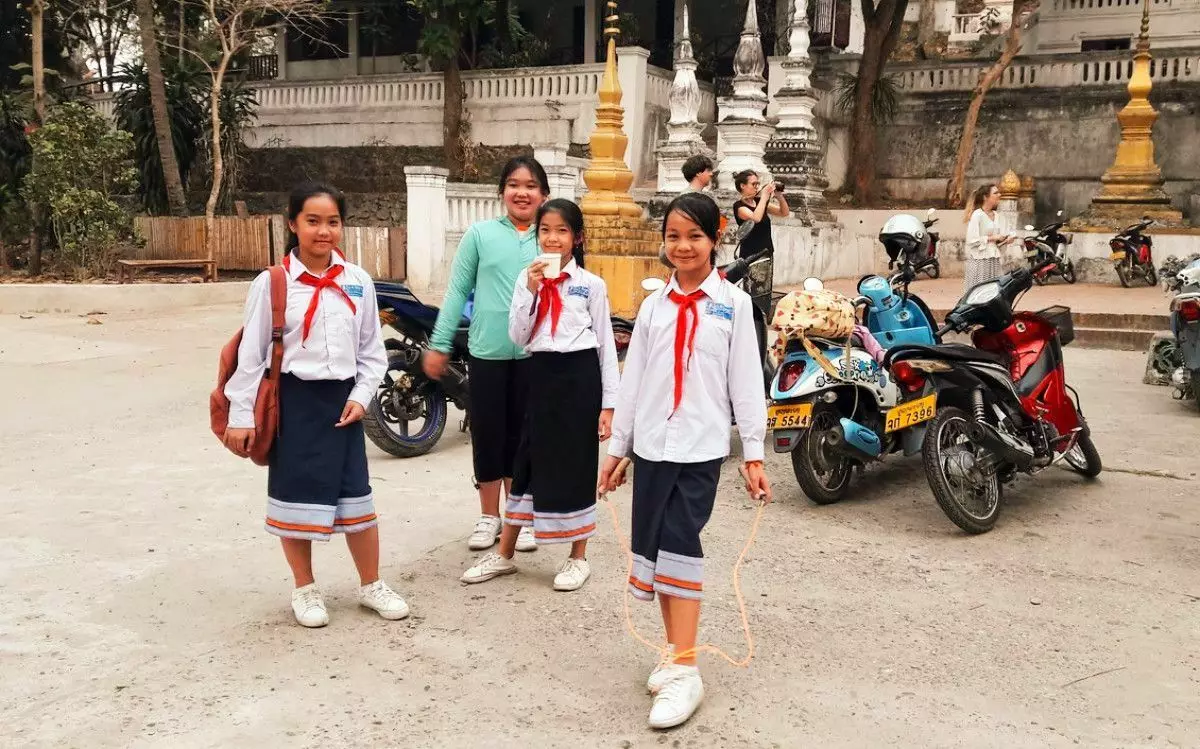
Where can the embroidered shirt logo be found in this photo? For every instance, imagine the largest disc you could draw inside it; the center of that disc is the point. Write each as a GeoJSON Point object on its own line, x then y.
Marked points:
{"type": "Point", "coordinates": [354, 290]}
{"type": "Point", "coordinates": [716, 309]}
{"type": "Point", "coordinates": [579, 291]}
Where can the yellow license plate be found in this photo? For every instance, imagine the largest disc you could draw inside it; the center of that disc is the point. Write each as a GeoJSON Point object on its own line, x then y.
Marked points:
{"type": "Point", "coordinates": [1118, 255]}
{"type": "Point", "coordinates": [792, 416]}
{"type": "Point", "coordinates": [902, 417]}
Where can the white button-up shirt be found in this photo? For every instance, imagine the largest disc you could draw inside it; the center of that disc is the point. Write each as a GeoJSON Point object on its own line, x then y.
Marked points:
{"type": "Point", "coordinates": [585, 323]}
{"type": "Point", "coordinates": [723, 380]}
{"type": "Point", "coordinates": [342, 343]}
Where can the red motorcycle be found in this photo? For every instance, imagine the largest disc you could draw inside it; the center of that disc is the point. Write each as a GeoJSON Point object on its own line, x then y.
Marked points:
{"type": "Point", "coordinates": [1002, 407]}
{"type": "Point", "coordinates": [1132, 254]}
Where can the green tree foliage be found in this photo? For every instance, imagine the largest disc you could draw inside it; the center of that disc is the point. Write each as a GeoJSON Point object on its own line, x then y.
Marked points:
{"type": "Point", "coordinates": [80, 163]}
{"type": "Point", "coordinates": [186, 87]}
{"type": "Point", "coordinates": [16, 113]}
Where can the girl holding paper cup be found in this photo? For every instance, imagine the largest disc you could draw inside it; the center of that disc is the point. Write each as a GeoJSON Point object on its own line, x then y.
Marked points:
{"type": "Point", "coordinates": [560, 316]}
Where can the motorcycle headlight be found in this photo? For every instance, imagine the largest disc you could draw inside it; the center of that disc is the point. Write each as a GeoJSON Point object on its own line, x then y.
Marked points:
{"type": "Point", "coordinates": [984, 294]}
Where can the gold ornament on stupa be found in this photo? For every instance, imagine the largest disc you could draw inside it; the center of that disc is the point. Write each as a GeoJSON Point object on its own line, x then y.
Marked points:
{"type": "Point", "coordinates": [1010, 185]}
{"type": "Point", "coordinates": [607, 176]}
{"type": "Point", "coordinates": [1133, 186]}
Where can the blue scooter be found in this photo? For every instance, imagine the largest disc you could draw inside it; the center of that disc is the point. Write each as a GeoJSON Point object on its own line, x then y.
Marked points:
{"type": "Point", "coordinates": [1185, 324]}
{"type": "Point", "coordinates": [832, 424]}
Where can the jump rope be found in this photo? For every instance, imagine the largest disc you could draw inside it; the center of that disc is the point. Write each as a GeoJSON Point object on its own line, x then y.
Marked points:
{"type": "Point", "coordinates": [665, 653]}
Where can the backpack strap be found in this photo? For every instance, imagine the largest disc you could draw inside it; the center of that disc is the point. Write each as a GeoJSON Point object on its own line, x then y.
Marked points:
{"type": "Point", "coordinates": [278, 308]}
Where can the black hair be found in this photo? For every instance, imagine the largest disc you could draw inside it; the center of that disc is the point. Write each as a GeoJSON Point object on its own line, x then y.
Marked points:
{"type": "Point", "coordinates": [741, 178]}
{"type": "Point", "coordinates": [572, 215]}
{"type": "Point", "coordinates": [702, 211]}
{"type": "Point", "coordinates": [525, 162]}
{"type": "Point", "coordinates": [300, 195]}
{"type": "Point", "coordinates": [696, 165]}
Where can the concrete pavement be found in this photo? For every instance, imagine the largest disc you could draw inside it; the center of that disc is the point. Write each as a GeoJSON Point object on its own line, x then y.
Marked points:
{"type": "Point", "coordinates": [142, 605]}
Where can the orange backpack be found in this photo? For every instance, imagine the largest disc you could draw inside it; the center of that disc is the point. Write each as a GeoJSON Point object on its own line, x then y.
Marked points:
{"type": "Point", "coordinates": [266, 403]}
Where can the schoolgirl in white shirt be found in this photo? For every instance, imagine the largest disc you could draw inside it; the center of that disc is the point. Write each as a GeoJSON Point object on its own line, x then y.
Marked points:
{"type": "Point", "coordinates": [693, 365]}
{"type": "Point", "coordinates": [564, 323]}
{"type": "Point", "coordinates": [333, 361]}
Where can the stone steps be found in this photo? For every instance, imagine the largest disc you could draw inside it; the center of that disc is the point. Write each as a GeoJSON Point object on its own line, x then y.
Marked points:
{"type": "Point", "coordinates": [1103, 330]}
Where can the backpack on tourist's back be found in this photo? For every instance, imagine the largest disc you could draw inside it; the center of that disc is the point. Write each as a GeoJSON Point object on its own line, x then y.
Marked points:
{"type": "Point", "coordinates": [266, 403]}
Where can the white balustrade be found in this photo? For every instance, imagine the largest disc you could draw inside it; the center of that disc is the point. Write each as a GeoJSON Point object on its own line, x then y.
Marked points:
{"type": "Point", "coordinates": [467, 204]}
{"type": "Point", "coordinates": [1101, 6]}
{"type": "Point", "coordinates": [1050, 71]}
{"type": "Point", "coordinates": [106, 104]}
{"type": "Point", "coordinates": [566, 84]}
{"type": "Point", "coordinates": [708, 102]}
{"type": "Point", "coordinates": [658, 88]}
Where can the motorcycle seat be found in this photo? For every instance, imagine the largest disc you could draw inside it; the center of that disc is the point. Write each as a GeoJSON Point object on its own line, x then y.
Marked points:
{"type": "Point", "coordinates": [946, 351]}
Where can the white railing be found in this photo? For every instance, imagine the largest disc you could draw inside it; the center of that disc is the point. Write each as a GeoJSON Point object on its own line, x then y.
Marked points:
{"type": "Point", "coordinates": [566, 84]}
{"type": "Point", "coordinates": [1110, 5]}
{"type": "Point", "coordinates": [658, 87]}
{"type": "Point", "coordinates": [708, 103]}
{"type": "Point", "coordinates": [966, 24]}
{"type": "Point", "coordinates": [467, 204]}
{"type": "Point", "coordinates": [106, 104]}
{"type": "Point", "coordinates": [1048, 71]}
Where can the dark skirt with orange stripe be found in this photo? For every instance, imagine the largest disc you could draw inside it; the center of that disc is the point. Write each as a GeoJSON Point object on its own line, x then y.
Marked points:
{"type": "Point", "coordinates": [317, 481]}
{"type": "Point", "coordinates": [554, 490]}
{"type": "Point", "coordinates": [672, 503]}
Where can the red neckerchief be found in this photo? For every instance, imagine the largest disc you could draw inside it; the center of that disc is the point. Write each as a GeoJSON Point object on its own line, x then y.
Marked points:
{"type": "Point", "coordinates": [326, 281]}
{"type": "Point", "coordinates": [684, 338]}
{"type": "Point", "coordinates": [549, 302]}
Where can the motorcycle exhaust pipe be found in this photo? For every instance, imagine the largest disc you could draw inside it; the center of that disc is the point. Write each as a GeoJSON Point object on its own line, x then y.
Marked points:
{"type": "Point", "coordinates": [854, 441]}
{"type": "Point", "coordinates": [1006, 447]}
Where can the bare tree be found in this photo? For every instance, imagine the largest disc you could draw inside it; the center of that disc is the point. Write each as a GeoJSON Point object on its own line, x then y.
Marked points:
{"type": "Point", "coordinates": [229, 28]}
{"type": "Point", "coordinates": [158, 105]}
{"type": "Point", "coordinates": [883, 19]}
{"type": "Point", "coordinates": [966, 142]}
{"type": "Point", "coordinates": [37, 15]}
{"type": "Point", "coordinates": [102, 27]}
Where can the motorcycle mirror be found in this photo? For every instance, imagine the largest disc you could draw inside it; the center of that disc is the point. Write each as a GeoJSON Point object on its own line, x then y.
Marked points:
{"type": "Point", "coordinates": [931, 212]}
{"type": "Point", "coordinates": [1029, 227]}
{"type": "Point", "coordinates": [1059, 213]}
{"type": "Point", "coordinates": [813, 284]}
{"type": "Point", "coordinates": [653, 284]}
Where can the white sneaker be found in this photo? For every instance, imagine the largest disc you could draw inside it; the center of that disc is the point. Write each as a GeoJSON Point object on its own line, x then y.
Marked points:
{"type": "Point", "coordinates": [659, 675]}
{"type": "Point", "coordinates": [383, 600]}
{"type": "Point", "coordinates": [487, 530]}
{"type": "Point", "coordinates": [572, 574]}
{"type": "Point", "coordinates": [526, 541]}
{"type": "Point", "coordinates": [308, 606]}
{"type": "Point", "coordinates": [677, 700]}
{"type": "Point", "coordinates": [489, 565]}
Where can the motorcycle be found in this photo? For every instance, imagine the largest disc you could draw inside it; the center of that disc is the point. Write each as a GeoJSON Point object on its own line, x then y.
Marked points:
{"type": "Point", "coordinates": [1046, 253]}
{"type": "Point", "coordinates": [1132, 254]}
{"type": "Point", "coordinates": [831, 425]}
{"type": "Point", "coordinates": [1185, 324]}
{"type": "Point", "coordinates": [921, 255]}
{"type": "Point", "coordinates": [1002, 407]}
{"type": "Point", "coordinates": [408, 414]}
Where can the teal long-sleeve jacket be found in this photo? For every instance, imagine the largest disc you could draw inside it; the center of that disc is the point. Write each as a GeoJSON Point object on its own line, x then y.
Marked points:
{"type": "Point", "coordinates": [489, 258]}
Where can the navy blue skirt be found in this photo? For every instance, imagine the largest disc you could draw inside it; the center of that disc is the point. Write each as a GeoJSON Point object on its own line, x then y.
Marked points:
{"type": "Point", "coordinates": [317, 479]}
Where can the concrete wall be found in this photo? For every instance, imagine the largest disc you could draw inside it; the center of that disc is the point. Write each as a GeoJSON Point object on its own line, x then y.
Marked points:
{"type": "Point", "coordinates": [1064, 137]}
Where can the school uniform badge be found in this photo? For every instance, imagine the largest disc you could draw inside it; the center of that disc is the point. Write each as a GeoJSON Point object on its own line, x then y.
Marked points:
{"type": "Point", "coordinates": [716, 309]}
{"type": "Point", "coordinates": [353, 290]}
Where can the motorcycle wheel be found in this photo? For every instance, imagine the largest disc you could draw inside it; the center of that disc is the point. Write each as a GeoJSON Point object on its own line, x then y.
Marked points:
{"type": "Point", "coordinates": [388, 418]}
{"type": "Point", "coordinates": [1151, 275]}
{"type": "Point", "coordinates": [1084, 459]}
{"type": "Point", "coordinates": [1123, 273]}
{"type": "Point", "coordinates": [823, 475]}
{"type": "Point", "coordinates": [934, 271]}
{"type": "Point", "coordinates": [972, 503]}
{"type": "Point", "coordinates": [1068, 273]}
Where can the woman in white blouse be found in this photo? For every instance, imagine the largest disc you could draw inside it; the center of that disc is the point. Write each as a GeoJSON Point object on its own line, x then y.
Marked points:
{"type": "Point", "coordinates": [984, 240]}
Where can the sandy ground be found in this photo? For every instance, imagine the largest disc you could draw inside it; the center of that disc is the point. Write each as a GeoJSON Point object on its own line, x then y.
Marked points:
{"type": "Point", "coordinates": [141, 604]}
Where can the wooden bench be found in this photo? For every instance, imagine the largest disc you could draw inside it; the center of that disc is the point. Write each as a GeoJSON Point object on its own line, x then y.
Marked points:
{"type": "Point", "coordinates": [126, 268]}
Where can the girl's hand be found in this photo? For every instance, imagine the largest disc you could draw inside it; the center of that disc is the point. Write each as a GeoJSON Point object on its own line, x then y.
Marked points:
{"type": "Point", "coordinates": [239, 440]}
{"type": "Point", "coordinates": [756, 482]}
{"type": "Point", "coordinates": [537, 272]}
{"type": "Point", "coordinates": [606, 417]}
{"type": "Point", "coordinates": [351, 413]}
{"type": "Point", "coordinates": [768, 191]}
{"type": "Point", "coordinates": [610, 480]}
{"type": "Point", "coordinates": [434, 363]}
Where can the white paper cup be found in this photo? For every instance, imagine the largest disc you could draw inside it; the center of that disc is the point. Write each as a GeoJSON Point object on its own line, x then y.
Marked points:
{"type": "Point", "coordinates": [553, 263]}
